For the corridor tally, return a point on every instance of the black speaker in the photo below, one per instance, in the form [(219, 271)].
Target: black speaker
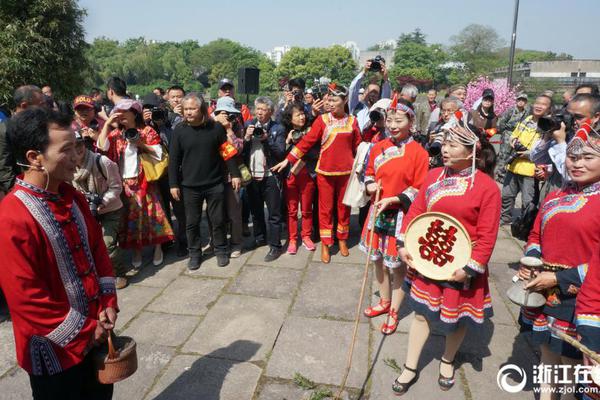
[(248, 80)]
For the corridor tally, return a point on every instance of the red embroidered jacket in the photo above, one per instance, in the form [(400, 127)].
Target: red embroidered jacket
[(477, 207), (56, 275), (339, 140)]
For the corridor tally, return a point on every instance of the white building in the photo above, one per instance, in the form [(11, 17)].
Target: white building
[(277, 53), (354, 50)]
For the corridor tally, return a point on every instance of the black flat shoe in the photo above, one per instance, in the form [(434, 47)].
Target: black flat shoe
[(194, 263), (446, 383), (401, 388)]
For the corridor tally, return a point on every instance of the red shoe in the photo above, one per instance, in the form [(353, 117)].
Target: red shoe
[(391, 328), (372, 312), (308, 244), (292, 247)]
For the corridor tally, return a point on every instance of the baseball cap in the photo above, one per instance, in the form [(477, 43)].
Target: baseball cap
[(227, 104), (83, 101), (488, 93), (127, 104), (225, 82), (522, 95)]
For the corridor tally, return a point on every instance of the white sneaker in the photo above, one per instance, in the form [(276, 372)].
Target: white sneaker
[(236, 252)]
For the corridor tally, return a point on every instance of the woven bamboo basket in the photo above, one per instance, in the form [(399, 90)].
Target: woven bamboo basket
[(117, 360)]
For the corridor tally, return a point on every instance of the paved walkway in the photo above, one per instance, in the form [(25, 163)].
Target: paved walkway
[(243, 332)]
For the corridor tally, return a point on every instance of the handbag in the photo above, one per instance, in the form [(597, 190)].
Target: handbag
[(245, 174), (154, 170)]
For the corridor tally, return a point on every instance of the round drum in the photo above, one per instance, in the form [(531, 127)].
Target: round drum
[(438, 244)]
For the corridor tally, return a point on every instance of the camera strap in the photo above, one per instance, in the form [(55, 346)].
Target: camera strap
[(99, 166)]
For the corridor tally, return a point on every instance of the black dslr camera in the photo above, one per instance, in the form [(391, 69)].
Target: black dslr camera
[(131, 134), (518, 147), (376, 63), (551, 123), (158, 114), (258, 132), (377, 115), (94, 200), (319, 91)]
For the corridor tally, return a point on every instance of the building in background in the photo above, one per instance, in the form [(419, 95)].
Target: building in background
[(353, 48), (277, 53), (561, 74)]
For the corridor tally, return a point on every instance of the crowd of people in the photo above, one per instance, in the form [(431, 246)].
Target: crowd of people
[(87, 185)]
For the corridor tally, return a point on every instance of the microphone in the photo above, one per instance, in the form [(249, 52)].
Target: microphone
[(41, 168)]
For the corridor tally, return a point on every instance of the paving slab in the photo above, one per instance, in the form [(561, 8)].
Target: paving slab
[(188, 296), (209, 267), (289, 391), (278, 283), (317, 349), (482, 356), (132, 300), (8, 356), (296, 261), (282, 391), (506, 251), (162, 329), (330, 291), (160, 277), (152, 359), (426, 388), (200, 377), (15, 386), (239, 319)]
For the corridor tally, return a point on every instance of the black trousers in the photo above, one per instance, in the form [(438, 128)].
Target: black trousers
[(178, 209), (76, 383), (267, 190), (193, 199)]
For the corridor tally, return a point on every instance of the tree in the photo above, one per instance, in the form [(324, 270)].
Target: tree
[(416, 59), (42, 42), (334, 62), (416, 37), (476, 40)]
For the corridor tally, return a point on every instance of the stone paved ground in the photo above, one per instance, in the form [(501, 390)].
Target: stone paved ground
[(242, 332)]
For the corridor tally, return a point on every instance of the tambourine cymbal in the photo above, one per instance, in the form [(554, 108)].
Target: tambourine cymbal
[(438, 244)]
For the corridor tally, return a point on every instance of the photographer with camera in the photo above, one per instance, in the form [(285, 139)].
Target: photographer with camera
[(230, 118), (520, 175), (145, 222), (506, 125), (373, 92), (98, 178), (294, 92), (85, 122), (264, 147), (435, 138), (557, 130)]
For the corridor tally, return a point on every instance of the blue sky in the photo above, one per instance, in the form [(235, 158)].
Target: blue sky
[(561, 26)]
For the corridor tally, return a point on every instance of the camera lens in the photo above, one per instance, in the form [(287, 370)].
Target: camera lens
[(375, 116), (131, 134)]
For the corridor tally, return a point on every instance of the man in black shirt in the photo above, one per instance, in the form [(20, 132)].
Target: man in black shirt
[(198, 153)]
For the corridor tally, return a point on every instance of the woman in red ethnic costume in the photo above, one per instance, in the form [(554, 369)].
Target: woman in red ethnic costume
[(144, 220), (566, 237), (339, 136), (400, 164), (464, 189)]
